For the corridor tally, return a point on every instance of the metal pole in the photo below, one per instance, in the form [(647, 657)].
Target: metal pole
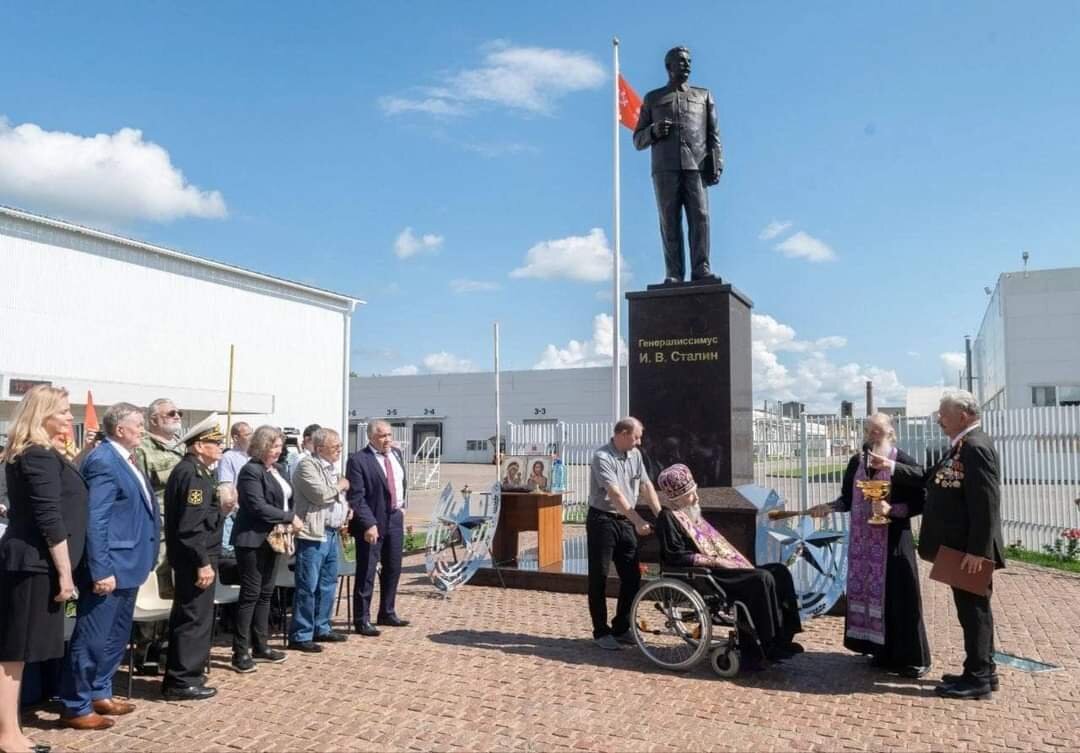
[(804, 485), (616, 402), (347, 367), (967, 363), (498, 410), (228, 398)]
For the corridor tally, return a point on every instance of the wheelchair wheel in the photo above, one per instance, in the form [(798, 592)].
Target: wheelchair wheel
[(671, 624), (725, 661)]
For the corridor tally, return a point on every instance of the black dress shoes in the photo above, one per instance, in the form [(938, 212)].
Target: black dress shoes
[(331, 637), (703, 276), (995, 683), (392, 620), (308, 647), (672, 280), (965, 689), (192, 693), (366, 628)]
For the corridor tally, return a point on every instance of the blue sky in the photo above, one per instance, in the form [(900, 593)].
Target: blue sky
[(922, 146)]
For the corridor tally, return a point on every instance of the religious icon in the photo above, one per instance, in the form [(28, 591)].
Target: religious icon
[(539, 478), (512, 474)]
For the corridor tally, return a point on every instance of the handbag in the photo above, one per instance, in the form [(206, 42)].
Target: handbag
[(282, 540)]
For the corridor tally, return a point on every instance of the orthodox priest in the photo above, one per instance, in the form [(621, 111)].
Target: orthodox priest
[(884, 604)]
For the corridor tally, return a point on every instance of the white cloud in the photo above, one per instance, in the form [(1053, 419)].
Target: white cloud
[(780, 337), (913, 353), (787, 368), (579, 353), (446, 363), (429, 105), (473, 286), (525, 79), (409, 370), (804, 246), (106, 178), (409, 244), (951, 366), (584, 258), (773, 229)]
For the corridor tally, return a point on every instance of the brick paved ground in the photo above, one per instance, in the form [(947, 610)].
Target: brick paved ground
[(496, 669)]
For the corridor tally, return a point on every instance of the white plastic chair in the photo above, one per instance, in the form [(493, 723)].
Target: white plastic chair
[(149, 607), (223, 596)]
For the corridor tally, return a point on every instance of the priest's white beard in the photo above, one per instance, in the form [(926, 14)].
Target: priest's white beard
[(692, 509)]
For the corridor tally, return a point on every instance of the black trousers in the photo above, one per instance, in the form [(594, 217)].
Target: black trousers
[(676, 191), (253, 608), (386, 550), (977, 621), (191, 624), (611, 540)]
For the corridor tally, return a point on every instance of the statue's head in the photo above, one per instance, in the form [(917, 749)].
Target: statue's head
[(677, 62)]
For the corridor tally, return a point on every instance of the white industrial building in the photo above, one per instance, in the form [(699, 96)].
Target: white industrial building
[(1027, 352), (460, 408), (131, 321)]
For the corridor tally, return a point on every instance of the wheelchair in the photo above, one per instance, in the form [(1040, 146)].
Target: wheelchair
[(684, 615)]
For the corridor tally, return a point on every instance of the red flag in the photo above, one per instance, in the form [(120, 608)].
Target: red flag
[(629, 104)]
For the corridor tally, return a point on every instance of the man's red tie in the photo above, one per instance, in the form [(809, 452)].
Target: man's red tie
[(389, 468)]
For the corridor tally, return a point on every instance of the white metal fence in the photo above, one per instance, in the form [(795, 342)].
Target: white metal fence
[(803, 459)]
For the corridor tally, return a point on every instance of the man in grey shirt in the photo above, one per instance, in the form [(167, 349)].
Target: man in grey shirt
[(612, 527)]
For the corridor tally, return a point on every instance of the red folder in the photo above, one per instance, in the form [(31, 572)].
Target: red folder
[(947, 570)]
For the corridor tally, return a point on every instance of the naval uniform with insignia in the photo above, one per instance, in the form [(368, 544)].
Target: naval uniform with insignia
[(193, 526)]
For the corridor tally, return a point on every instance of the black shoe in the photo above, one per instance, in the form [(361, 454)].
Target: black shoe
[(190, 693), (703, 276), (331, 637), (965, 689), (366, 628), (392, 620), (270, 656), (995, 683), (308, 647), (672, 280), (243, 663)]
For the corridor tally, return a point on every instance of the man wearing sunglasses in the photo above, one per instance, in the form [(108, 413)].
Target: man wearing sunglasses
[(157, 456)]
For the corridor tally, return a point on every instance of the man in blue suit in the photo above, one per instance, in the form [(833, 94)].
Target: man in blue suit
[(121, 549), (376, 495)]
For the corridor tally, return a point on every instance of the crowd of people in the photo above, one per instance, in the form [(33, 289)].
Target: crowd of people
[(958, 497), (143, 507)]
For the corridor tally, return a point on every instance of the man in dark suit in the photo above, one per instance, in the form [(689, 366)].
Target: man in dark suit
[(376, 476), (963, 512), (121, 549), (679, 122)]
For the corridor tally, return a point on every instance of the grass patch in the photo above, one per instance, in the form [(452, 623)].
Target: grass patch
[(1041, 558), (415, 542)]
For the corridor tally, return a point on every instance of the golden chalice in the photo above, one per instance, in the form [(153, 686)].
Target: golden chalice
[(875, 490)]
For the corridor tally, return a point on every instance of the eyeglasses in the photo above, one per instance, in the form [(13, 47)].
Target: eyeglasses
[(174, 413)]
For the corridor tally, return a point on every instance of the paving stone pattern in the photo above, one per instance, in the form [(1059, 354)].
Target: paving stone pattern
[(494, 669)]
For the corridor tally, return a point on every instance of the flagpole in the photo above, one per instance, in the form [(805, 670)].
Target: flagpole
[(498, 408), (616, 402)]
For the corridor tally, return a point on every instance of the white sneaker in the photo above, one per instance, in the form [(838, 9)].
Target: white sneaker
[(607, 642)]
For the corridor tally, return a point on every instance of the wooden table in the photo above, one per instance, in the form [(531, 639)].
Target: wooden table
[(525, 511)]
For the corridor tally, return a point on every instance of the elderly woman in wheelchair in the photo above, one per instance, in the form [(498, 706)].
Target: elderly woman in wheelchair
[(710, 598)]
